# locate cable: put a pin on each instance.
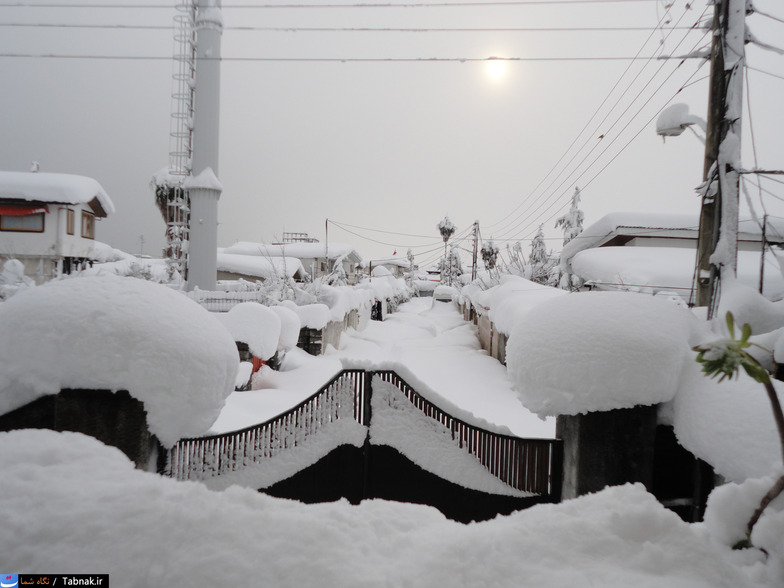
(517, 218)
(342, 29)
(347, 5)
(762, 71)
(322, 59)
(608, 145)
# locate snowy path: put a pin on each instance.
(435, 344)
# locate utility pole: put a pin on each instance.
(476, 248)
(717, 242)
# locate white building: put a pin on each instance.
(47, 221)
(656, 253)
(317, 259)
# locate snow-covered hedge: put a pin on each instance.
(118, 334)
(253, 324)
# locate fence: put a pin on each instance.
(530, 465)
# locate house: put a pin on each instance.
(656, 253)
(47, 221)
(395, 265)
(317, 259)
(234, 266)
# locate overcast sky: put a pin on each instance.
(385, 149)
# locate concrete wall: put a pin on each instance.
(114, 418)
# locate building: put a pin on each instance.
(47, 221)
(317, 259)
(656, 253)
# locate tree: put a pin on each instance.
(490, 253)
(447, 229)
(724, 358)
(540, 261)
(572, 221)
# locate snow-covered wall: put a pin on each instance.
(111, 333)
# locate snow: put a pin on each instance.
(290, 326)
(598, 351)
(729, 424)
(399, 424)
(438, 353)
(112, 333)
(254, 324)
(60, 188)
(512, 299)
(70, 503)
(261, 267)
(206, 180)
(656, 269)
(749, 306)
(298, 250)
(311, 316)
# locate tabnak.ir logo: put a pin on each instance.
(9, 580)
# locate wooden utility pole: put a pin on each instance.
(476, 247)
(720, 171)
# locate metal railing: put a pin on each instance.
(529, 465)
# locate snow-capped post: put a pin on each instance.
(717, 247)
(447, 229)
(203, 187)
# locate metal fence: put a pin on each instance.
(530, 465)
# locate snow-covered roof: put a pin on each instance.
(655, 269)
(298, 250)
(396, 261)
(644, 224)
(261, 267)
(56, 188)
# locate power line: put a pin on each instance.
(330, 59)
(331, 6)
(295, 29)
(554, 200)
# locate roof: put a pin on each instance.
(298, 250)
(261, 267)
(55, 188)
(396, 261)
(668, 269)
(643, 224)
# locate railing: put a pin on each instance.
(205, 457)
(218, 301)
(530, 465)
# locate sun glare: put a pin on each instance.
(496, 67)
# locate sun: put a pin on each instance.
(496, 67)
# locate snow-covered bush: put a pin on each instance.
(112, 333)
(254, 324)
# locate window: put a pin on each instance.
(32, 223)
(88, 225)
(70, 222)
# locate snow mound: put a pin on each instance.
(598, 351)
(289, 327)
(749, 306)
(254, 324)
(311, 316)
(118, 334)
(71, 503)
(729, 424)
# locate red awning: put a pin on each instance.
(21, 209)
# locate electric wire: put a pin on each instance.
(607, 145)
(506, 228)
(338, 6)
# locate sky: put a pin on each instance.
(377, 144)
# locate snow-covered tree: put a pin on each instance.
(572, 221)
(490, 253)
(447, 228)
(517, 265)
(410, 258)
(541, 261)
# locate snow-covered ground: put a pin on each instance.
(428, 344)
(72, 505)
